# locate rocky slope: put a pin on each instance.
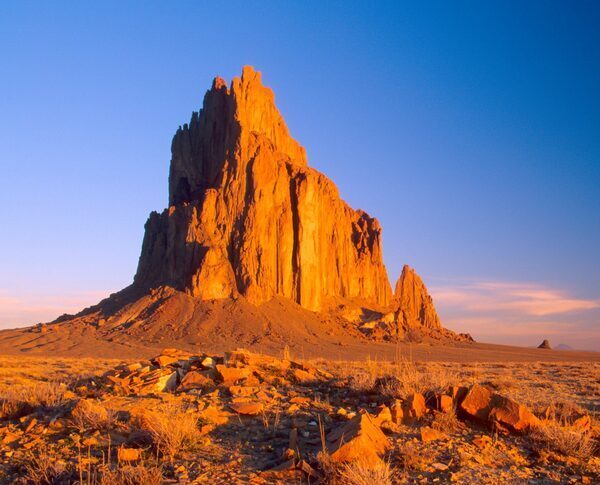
(254, 245)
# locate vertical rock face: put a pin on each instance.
(415, 306)
(248, 216)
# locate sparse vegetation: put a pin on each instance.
(446, 422)
(43, 469)
(362, 473)
(172, 427)
(53, 433)
(90, 415)
(132, 475)
(565, 440)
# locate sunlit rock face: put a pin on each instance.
(414, 304)
(248, 216)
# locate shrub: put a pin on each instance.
(564, 440)
(407, 378)
(361, 473)
(133, 475)
(42, 470)
(88, 414)
(446, 422)
(172, 428)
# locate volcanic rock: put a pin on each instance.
(415, 305)
(254, 247)
(248, 216)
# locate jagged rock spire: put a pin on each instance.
(415, 305)
(248, 216)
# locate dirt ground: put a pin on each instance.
(51, 440)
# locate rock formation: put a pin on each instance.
(414, 304)
(544, 345)
(248, 216)
(254, 248)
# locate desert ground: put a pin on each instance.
(426, 415)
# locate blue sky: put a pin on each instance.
(470, 129)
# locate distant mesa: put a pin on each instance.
(544, 345)
(256, 246)
(563, 347)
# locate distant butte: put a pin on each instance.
(255, 247)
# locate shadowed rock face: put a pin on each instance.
(248, 216)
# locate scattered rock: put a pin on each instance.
(358, 438)
(248, 408)
(232, 375)
(196, 380)
(414, 407)
(430, 434)
(484, 406)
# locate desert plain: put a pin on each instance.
(484, 414)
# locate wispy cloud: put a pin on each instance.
(26, 309)
(518, 313)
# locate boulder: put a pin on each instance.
(482, 405)
(414, 407)
(544, 345)
(128, 454)
(232, 375)
(383, 416)
(397, 411)
(360, 438)
(166, 383)
(196, 380)
(444, 403)
(250, 408)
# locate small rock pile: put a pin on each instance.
(243, 373)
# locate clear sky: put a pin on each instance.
(470, 129)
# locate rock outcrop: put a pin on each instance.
(255, 248)
(414, 304)
(248, 216)
(544, 345)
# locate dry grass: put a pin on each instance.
(405, 378)
(171, 427)
(15, 399)
(133, 475)
(361, 473)
(20, 370)
(88, 414)
(446, 422)
(569, 442)
(398, 379)
(42, 469)
(329, 467)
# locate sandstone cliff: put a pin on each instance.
(248, 216)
